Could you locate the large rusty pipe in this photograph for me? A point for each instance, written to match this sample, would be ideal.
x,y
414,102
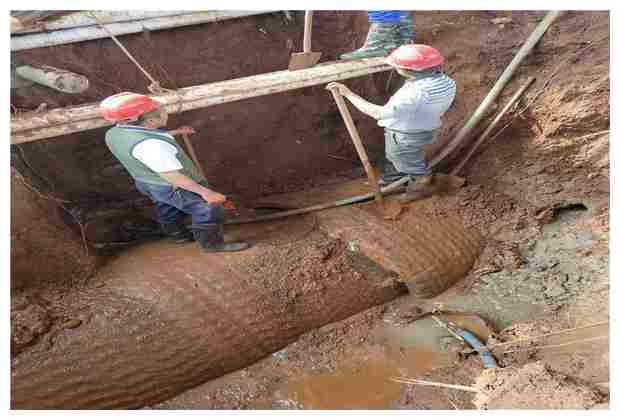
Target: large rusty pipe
x,y
147,338
151,332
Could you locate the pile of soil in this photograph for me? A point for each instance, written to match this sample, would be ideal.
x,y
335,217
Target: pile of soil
x,y
533,386
528,334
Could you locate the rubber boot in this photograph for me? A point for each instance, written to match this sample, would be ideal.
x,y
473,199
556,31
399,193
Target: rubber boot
x,y
177,232
211,239
406,29
422,187
140,230
382,39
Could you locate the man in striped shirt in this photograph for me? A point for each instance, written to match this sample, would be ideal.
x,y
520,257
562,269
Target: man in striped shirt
x,y
412,116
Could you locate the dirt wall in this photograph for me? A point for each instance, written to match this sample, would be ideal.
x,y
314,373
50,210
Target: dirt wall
x,y
43,251
250,148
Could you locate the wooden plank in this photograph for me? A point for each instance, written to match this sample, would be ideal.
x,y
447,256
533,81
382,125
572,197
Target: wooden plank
x,y
63,121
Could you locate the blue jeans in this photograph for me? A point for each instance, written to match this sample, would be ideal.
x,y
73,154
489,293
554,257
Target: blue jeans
x,y
385,16
173,203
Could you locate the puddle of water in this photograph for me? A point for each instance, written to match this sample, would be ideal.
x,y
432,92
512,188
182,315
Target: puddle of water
x,y
364,384
425,333
360,385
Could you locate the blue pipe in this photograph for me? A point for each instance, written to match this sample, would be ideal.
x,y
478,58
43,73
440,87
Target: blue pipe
x,y
487,358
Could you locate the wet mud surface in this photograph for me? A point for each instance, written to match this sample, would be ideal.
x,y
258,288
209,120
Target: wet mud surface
x,y
538,194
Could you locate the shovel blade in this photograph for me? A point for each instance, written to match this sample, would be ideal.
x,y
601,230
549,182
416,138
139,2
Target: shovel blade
x,y
303,60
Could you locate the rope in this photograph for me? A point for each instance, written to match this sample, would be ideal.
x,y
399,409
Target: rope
x,y
155,87
521,340
414,381
568,343
546,335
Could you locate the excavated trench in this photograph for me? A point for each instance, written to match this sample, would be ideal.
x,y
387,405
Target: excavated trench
x,y
152,331
137,327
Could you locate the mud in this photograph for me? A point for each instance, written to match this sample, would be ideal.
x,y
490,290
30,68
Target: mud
x,y
523,194
533,386
44,252
347,364
538,193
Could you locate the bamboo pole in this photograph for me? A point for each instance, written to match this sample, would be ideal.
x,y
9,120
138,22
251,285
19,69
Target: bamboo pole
x,y
475,118
324,206
491,126
357,141
62,121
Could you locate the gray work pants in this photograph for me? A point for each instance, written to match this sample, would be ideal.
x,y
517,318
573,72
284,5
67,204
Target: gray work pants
x,y
407,151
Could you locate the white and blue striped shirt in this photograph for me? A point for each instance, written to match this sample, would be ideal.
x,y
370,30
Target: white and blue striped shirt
x,y
419,104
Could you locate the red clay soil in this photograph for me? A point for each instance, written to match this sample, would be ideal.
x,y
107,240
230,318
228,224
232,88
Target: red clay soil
x,y
532,386
44,252
140,320
555,155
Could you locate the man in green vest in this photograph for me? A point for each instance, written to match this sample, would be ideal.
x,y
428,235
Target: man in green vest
x,y
163,171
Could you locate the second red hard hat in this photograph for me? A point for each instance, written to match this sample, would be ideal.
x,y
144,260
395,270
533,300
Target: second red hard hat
x,y
415,57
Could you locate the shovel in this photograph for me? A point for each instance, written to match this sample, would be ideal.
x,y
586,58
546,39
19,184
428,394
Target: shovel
x,y
228,205
307,58
359,146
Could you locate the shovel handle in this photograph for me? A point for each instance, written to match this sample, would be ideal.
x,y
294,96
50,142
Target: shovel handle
x,y
192,153
357,141
308,32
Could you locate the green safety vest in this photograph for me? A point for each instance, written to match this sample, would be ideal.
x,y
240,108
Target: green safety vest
x,y
121,140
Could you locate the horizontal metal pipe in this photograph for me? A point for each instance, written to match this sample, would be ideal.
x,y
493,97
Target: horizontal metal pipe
x,y
68,36
337,203
57,79
82,19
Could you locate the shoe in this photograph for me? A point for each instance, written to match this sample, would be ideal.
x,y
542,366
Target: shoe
x,y
422,187
211,239
139,230
386,180
390,175
382,39
177,232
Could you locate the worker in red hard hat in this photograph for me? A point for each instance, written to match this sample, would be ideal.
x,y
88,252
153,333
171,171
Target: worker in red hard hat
x,y
163,171
411,117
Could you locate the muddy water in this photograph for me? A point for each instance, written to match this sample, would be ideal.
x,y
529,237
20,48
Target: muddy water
x,y
364,385
363,382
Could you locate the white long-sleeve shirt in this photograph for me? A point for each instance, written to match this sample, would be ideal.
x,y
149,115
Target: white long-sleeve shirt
x,y
419,104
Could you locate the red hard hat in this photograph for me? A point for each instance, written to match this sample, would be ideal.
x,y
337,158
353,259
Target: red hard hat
x,y
414,57
127,106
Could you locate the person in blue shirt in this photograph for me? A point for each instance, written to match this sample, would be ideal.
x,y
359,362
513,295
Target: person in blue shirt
x,y
388,30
